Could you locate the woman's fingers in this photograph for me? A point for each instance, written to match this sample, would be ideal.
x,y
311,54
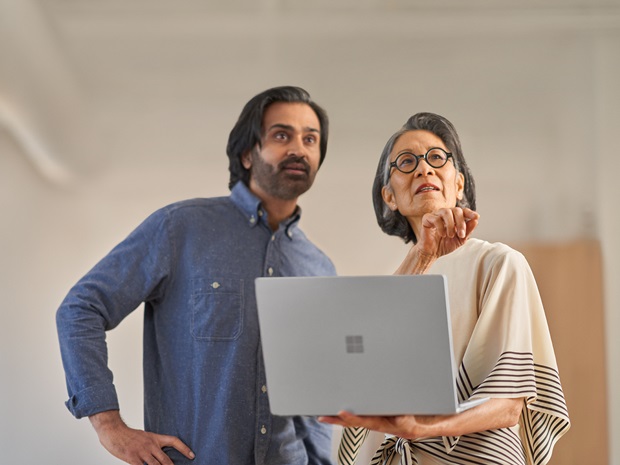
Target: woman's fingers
x,y
450,222
442,222
471,221
447,229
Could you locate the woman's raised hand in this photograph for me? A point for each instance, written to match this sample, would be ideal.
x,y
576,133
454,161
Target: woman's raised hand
x,y
445,230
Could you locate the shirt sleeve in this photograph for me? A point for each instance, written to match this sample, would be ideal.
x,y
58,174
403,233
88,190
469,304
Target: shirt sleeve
x,y
135,271
510,355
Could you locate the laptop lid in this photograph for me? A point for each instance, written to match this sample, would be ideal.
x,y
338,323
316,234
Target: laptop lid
x,y
372,345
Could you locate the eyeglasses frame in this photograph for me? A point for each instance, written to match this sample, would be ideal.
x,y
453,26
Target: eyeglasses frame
x,y
394,164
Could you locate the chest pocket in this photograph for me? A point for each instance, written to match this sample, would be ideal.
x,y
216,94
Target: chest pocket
x,y
217,309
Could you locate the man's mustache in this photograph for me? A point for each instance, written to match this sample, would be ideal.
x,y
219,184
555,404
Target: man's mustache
x,y
294,160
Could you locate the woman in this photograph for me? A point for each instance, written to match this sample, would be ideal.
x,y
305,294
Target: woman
x,y
424,193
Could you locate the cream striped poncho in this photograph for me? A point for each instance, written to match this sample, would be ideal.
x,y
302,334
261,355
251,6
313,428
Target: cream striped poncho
x,y
503,348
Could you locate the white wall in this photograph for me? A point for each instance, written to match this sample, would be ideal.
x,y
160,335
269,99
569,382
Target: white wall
x,y
533,93
608,110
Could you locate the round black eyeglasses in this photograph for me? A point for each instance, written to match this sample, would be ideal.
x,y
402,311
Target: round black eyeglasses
x,y
407,162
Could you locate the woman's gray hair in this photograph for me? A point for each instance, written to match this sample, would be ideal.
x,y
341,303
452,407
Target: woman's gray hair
x,y
392,222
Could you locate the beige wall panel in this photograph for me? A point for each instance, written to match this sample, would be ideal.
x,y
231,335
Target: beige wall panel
x,y
570,281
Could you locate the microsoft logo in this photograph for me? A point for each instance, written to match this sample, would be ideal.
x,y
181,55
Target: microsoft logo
x,y
355,344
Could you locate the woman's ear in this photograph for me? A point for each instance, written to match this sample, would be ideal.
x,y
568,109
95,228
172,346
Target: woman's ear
x,y
388,197
460,186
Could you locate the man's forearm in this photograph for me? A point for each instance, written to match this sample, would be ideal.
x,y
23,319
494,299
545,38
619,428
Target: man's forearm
x,y
106,420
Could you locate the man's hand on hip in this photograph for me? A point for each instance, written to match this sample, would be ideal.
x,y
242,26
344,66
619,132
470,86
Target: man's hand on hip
x,y
134,446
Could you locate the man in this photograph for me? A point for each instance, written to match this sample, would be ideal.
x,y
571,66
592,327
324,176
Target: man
x,y
193,264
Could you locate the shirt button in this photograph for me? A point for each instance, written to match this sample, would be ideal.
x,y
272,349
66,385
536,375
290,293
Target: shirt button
x,y
260,213
252,220
215,285
289,233
270,271
264,389
273,238
263,430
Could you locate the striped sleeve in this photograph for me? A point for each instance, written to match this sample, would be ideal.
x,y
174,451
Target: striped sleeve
x,y
545,418
350,444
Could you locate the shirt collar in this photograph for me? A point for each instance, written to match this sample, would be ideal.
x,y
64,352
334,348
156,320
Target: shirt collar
x,y
251,207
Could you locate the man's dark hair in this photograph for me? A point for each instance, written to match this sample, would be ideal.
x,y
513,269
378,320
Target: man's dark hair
x,y
392,222
247,132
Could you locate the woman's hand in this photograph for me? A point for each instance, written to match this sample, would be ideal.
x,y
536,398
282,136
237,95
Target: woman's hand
x,y
493,414
404,426
442,232
445,230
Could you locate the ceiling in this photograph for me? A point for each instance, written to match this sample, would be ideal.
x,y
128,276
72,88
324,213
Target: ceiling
x,y
68,68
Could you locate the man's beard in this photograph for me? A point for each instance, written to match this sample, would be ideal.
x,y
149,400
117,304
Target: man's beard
x,y
276,182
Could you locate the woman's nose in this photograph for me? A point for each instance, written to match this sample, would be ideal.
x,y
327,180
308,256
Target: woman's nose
x,y
423,168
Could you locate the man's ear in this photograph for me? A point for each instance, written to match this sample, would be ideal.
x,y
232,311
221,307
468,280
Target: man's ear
x,y
388,197
246,159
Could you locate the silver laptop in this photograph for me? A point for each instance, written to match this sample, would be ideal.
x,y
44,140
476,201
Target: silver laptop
x,y
372,345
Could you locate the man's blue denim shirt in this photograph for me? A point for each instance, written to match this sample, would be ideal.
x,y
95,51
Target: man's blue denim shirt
x,y
193,264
